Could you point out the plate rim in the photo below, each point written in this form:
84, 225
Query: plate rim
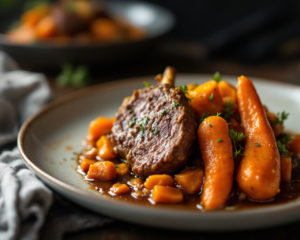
152, 211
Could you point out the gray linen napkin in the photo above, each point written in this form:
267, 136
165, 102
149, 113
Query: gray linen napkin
25, 200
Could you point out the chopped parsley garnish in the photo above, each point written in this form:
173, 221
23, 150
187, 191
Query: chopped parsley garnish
282, 148
146, 84
130, 111
156, 132
257, 144
228, 110
204, 115
144, 122
163, 112
132, 122
211, 97
166, 136
281, 117
142, 128
116, 166
217, 77
175, 104
282, 142
210, 125
237, 139
184, 89
220, 140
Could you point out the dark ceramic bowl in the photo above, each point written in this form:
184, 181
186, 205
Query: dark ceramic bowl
154, 20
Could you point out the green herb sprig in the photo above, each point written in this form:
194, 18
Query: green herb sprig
281, 117
73, 76
237, 139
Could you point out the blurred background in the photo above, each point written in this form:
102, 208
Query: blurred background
257, 38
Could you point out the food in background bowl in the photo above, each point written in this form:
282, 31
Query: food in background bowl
80, 21
208, 146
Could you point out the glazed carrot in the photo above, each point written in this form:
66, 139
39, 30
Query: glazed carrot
227, 91
190, 180
99, 127
206, 98
85, 164
216, 150
258, 174
294, 145
105, 148
166, 194
286, 168
119, 189
45, 28
102, 170
191, 86
122, 169
158, 179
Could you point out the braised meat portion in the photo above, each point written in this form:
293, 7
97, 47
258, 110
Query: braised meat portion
155, 128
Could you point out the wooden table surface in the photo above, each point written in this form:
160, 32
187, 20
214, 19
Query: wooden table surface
191, 60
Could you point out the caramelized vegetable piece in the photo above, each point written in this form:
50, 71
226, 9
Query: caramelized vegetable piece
216, 149
158, 179
91, 153
85, 164
206, 98
105, 148
23, 34
102, 170
104, 29
227, 91
166, 194
277, 127
286, 168
136, 183
190, 180
294, 145
258, 174
45, 28
119, 189
122, 169
99, 127
32, 17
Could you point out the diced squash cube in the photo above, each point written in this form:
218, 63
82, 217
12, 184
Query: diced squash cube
119, 189
99, 127
105, 148
122, 169
136, 183
158, 179
166, 194
190, 180
102, 170
85, 164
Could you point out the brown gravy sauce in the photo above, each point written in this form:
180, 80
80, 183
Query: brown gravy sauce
236, 201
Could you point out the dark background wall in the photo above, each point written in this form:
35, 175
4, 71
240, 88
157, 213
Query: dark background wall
249, 29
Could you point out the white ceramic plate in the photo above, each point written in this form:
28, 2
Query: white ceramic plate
47, 142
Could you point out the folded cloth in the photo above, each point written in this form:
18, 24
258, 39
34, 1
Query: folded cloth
24, 199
